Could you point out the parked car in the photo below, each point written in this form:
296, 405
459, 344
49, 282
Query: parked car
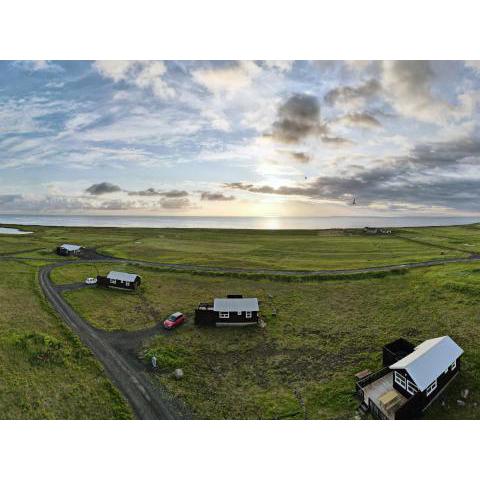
91, 281
174, 320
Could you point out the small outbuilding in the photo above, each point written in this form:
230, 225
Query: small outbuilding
233, 310
122, 280
412, 378
68, 249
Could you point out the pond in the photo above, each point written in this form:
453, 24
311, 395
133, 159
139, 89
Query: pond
13, 231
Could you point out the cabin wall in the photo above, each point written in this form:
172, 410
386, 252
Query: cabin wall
235, 317
106, 282
395, 351
204, 317
421, 400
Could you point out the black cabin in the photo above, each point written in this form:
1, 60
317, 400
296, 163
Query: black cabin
125, 281
411, 379
233, 310
67, 249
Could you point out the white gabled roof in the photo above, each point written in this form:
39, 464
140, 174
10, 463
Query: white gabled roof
70, 247
429, 359
122, 276
235, 305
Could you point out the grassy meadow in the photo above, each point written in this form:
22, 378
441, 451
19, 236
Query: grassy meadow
285, 250
302, 364
45, 371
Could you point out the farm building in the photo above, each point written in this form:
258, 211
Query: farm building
68, 249
233, 310
412, 378
126, 281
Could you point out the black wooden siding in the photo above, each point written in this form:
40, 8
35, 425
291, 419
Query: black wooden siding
107, 282
205, 315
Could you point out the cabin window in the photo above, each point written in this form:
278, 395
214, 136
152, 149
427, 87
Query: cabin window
113, 282
411, 388
127, 284
431, 387
239, 313
453, 365
400, 379
224, 315
248, 314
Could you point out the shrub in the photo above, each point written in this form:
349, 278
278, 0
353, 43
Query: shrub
41, 349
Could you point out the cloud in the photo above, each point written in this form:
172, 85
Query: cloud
364, 120
151, 192
336, 141
228, 78
349, 95
442, 174
102, 188
216, 197
474, 65
281, 65
408, 84
301, 157
297, 118
143, 74
9, 198
39, 65
175, 203
175, 194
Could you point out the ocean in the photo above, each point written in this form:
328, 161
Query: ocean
262, 223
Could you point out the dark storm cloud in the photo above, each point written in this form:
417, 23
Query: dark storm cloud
102, 188
297, 118
216, 197
424, 177
151, 192
347, 94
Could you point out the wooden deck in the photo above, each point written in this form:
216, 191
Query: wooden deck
373, 391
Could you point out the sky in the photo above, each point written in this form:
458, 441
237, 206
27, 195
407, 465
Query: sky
240, 138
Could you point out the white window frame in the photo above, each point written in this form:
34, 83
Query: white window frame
431, 387
239, 313
223, 314
453, 365
411, 387
400, 380
127, 284
113, 281
248, 314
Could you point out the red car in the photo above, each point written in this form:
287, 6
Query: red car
174, 320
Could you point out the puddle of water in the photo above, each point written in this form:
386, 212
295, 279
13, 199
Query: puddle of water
12, 231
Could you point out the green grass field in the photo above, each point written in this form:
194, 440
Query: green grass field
301, 250
45, 371
284, 250
302, 364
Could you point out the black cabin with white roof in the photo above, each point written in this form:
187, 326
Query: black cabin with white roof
233, 310
123, 280
68, 249
406, 388
428, 369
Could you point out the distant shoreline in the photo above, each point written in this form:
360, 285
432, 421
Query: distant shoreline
232, 223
